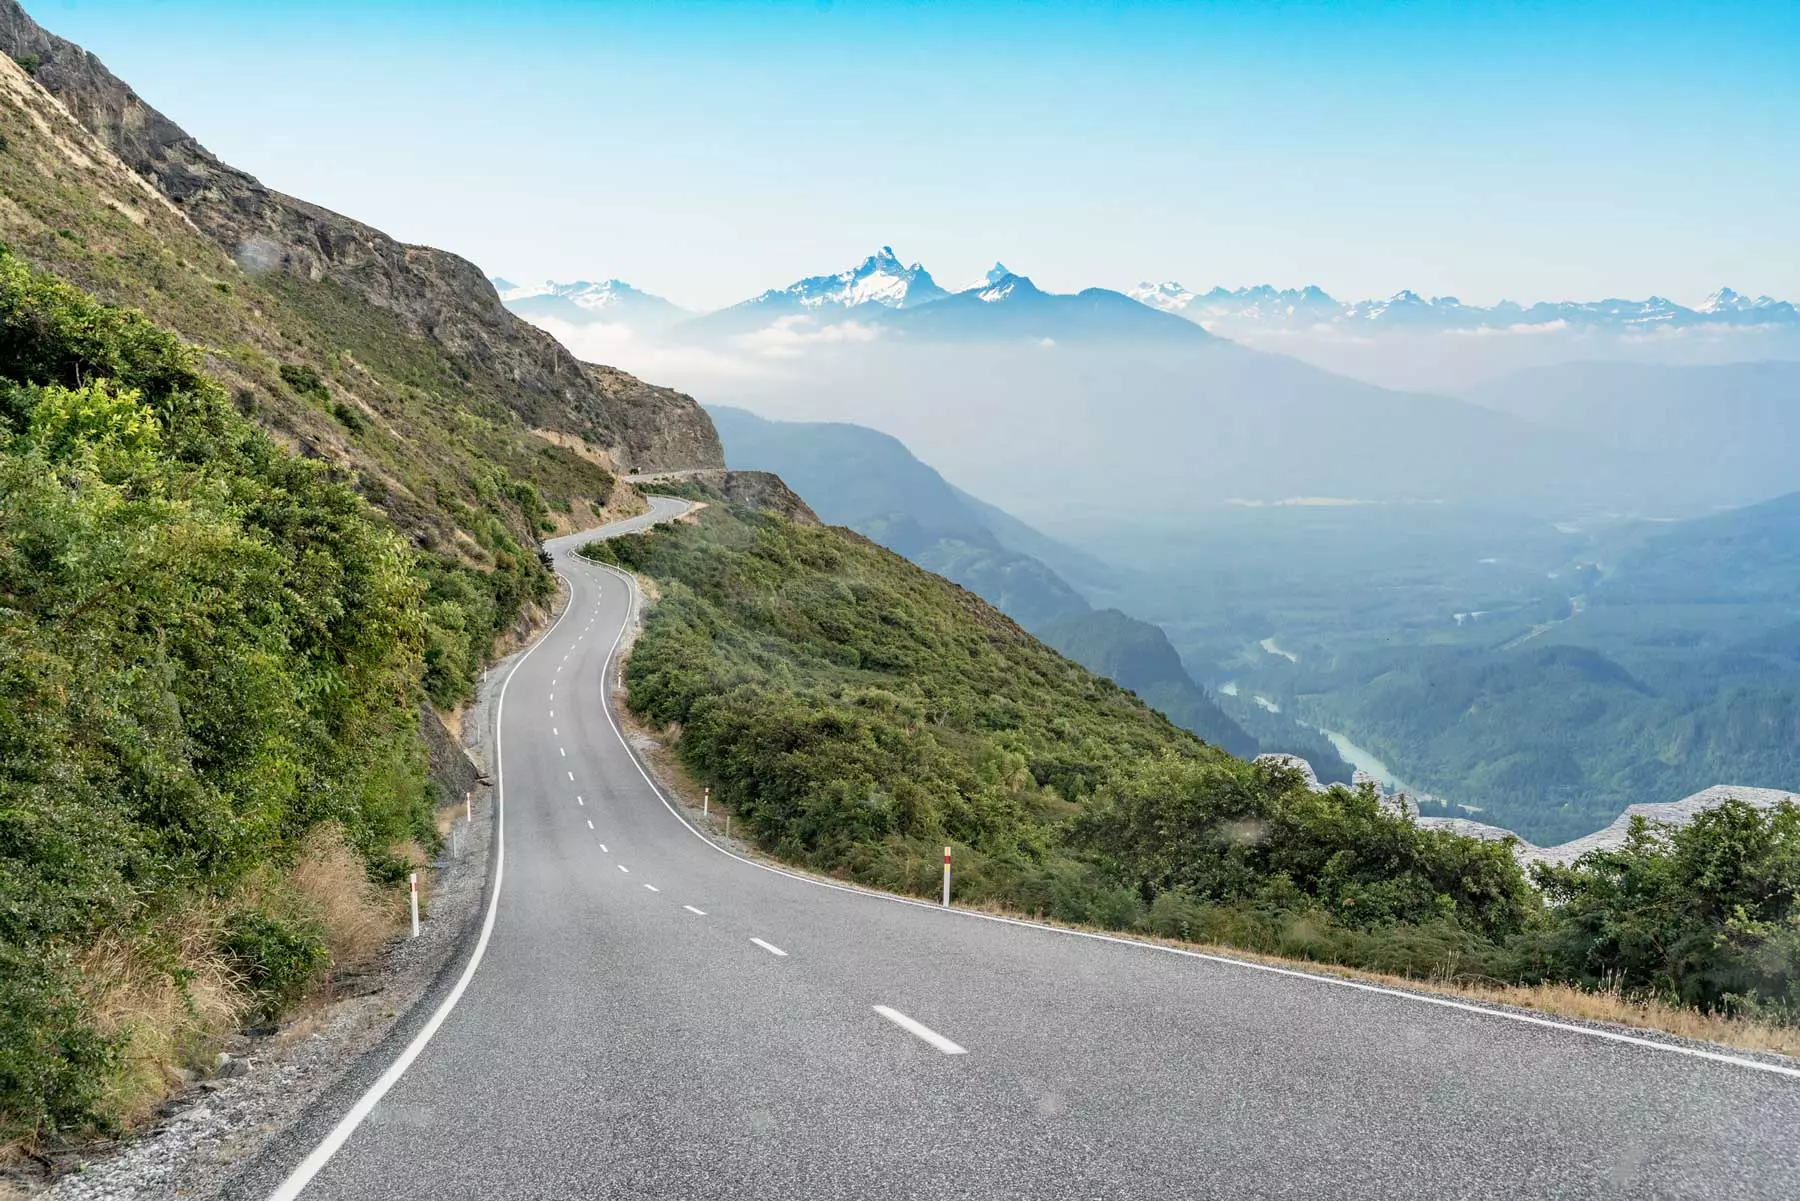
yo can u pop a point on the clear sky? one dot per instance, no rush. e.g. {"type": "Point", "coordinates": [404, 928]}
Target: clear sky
{"type": "Point", "coordinates": [707, 151]}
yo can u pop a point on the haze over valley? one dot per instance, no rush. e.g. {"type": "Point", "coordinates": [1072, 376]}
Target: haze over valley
{"type": "Point", "coordinates": [1456, 582]}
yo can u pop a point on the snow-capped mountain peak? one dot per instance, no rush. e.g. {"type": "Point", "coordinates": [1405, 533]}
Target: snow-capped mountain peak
{"type": "Point", "coordinates": [588, 294]}
{"type": "Point", "coordinates": [994, 275]}
{"type": "Point", "coordinates": [879, 279]}
{"type": "Point", "coordinates": [1168, 296]}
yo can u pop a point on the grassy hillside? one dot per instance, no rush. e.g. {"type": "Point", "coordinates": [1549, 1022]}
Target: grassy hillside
{"type": "Point", "coordinates": [857, 712]}
{"type": "Point", "coordinates": [212, 654]}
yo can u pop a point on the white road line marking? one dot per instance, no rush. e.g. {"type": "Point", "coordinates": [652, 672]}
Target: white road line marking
{"type": "Point", "coordinates": [320, 1155]}
{"type": "Point", "coordinates": [553, 729]}
{"type": "Point", "coordinates": [571, 775]}
{"type": "Point", "coordinates": [603, 847]}
{"type": "Point", "coordinates": [770, 947]}
{"type": "Point", "coordinates": [691, 909]}
{"type": "Point", "coordinates": [579, 801]}
{"type": "Point", "coordinates": [1421, 998]}
{"type": "Point", "coordinates": [652, 888]}
{"type": "Point", "coordinates": [563, 751]}
{"type": "Point", "coordinates": [921, 1030]}
{"type": "Point", "coordinates": [590, 823]}
{"type": "Point", "coordinates": [553, 714]}
{"type": "Point", "coordinates": [624, 869]}
{"type": "Point", "coordinates": [559, 669]}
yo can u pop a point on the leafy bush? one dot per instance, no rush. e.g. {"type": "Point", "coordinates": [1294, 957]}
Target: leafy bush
{"type": "Point", "coordinates": [279, 959]}
{"type": "Point", "coordinates": [305, 381]}
{"type": "Point", "coordinates": [348, 417]}
{"type": "Point", "coordinates": [1704, 914]}
{"type": "Point", "coordinates": [1230, 833]}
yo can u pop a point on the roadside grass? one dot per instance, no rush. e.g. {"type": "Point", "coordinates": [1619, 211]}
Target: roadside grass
{"type": "Point", "coordinates": [170, 995]}
{"type": "Point", "coordinates": [167, 998]}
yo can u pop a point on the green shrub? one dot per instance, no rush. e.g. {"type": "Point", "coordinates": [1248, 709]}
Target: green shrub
{"type": "Point", "coordinates": [53, 1066]}
{"type": "Point", "coordinates": [305, 381]}
{"type": "Point", "coordinates": [1703, 915]}
{"type": "Point", "coordinates": [1229, 833]}
{"type": "Point", "coordinates": [348, 417]}
{"type": "Point", "coordinates": [279, 959]}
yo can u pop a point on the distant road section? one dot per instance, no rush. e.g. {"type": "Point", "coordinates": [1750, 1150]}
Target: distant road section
{"type": "Point", "coordinates": [654, 1017]}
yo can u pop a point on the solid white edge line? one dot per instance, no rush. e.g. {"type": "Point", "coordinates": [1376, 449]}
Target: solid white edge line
{"type": "Point", "coordinates": [921, 1031]}
{"type": "Point", "coordinates": [320, 1155]}
{"type": "Point", "coordinates": [770, 947]}
{"type": "Point", "coordinates": [1527, 1019]}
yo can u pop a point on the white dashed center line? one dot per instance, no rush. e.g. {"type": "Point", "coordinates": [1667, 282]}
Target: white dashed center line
{"type": "Point", "coordinates": [770, 947]}
{"type": "Point", "coordinates": [563, 752]}
{"type": "Point", "coordinates": [590, 823]}
{"type": "Point", "coordinates": [603, 847]}
{"type": "Point", "coordinates": [920, 1030]}
{"type": "Point", "coordinates": [652, 888]}
{"type": "Point", "coordinates": [624, 869]}
{"type": "Point", "coordinates": [553, 729]}
{"type": "Point", "coordinates": [571, 775]}
{"type": "Point", "coordinates": [696, 912]}
{"type": "Point", "coordinates": [579, 801]}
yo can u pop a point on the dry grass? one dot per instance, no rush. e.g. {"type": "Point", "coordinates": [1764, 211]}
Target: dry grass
{"type": "Point", "coordinates": [174, 997]}
{"type": "Point", "coordinates": [331, 886]}
{"type": "Point", "coordinates": [168, 1020]}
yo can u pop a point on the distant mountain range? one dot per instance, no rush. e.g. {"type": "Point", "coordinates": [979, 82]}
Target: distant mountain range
{"type": "Point", "coordinates": [1266, 307]}
{"type": "Point", "coordinates": [611, 301]}
{"type": "Point", "coordinates": [884, 291]}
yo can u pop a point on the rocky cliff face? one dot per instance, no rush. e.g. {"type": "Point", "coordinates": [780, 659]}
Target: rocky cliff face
{"type": "Point", "coordinates": [432, 293]}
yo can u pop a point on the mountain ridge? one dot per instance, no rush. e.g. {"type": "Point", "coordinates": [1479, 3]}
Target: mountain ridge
{"type": "Point", "coordinates": [432, 293]}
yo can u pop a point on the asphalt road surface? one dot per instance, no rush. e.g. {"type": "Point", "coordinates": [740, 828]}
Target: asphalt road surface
{"type": "Point", "coordinates": [651, 1017]}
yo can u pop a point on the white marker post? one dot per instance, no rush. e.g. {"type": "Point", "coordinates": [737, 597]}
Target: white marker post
{"type": "Point", "coordinates": [946, 877]}
{"type": "Point", "coordinates": [413, 884]}
{"type": "Point", "coordinates": [468, 807]}
{"type": "Point", "coordinates": [706, 803]}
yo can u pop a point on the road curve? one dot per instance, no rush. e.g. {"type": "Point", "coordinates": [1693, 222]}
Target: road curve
{"type": "Point", "coordinates": [653, 1018]}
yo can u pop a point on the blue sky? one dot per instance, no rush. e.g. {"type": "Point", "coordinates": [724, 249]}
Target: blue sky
{"type": "Point", "coordinates": [706, 151]}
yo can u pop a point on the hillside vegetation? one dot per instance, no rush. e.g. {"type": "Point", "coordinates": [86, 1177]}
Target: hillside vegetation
{"type": "Point", "coordinates": [857, 712]}
{"type": "Point", "coordinates": [210, 652]}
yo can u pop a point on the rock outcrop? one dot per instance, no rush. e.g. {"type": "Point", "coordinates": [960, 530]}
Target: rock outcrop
{"type": "Point", "coordinates": [433, 293]}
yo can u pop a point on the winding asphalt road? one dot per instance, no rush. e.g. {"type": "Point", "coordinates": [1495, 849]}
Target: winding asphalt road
{"type": "Point", "coordinates": [651, 1017]}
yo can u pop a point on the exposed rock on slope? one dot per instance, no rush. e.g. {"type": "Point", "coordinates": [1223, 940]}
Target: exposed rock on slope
{"type": "Point", "coordinates": [432, 293]}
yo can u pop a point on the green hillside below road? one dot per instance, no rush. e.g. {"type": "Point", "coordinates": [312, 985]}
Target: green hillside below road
{"type": "Point", "coordinates": [856, 713]}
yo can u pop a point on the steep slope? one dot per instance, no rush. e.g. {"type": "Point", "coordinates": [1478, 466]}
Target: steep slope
{"type": "Point", "coordinates": [864, 479]}
{"type": "Point", "coordinates": [290, 245]}
{"type": "Point", "coordinates": [1137, 655]}
{"type": "Point", "coordinates": [870, 482]}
